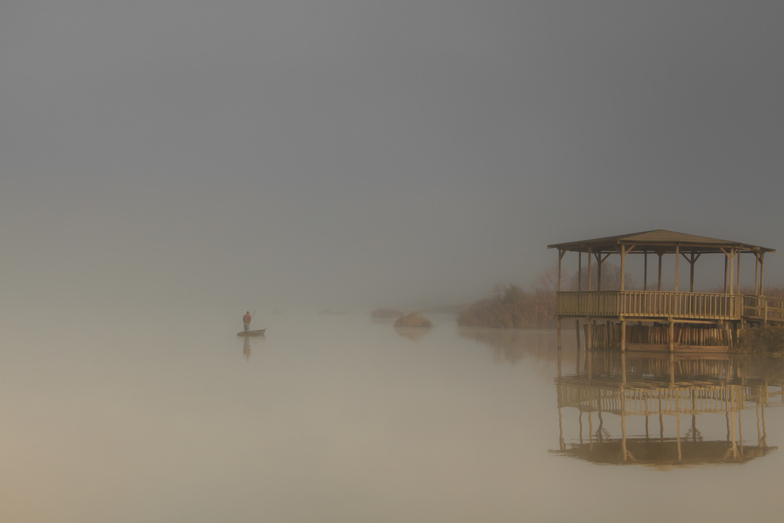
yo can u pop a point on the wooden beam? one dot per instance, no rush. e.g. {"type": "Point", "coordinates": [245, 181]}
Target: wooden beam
{"type": "Point", "coordinates": [580, 271]}
{"type": "Point", "coordinates": [738, 278]}
{"type": "Point", "coordinates": [762, 273]}
{"type": "Point", "coordinates": [660, 267]}
{"type": "Point", "coordinates": [645, 271]}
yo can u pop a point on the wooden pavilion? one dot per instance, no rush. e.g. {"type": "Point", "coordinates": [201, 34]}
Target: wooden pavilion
{"type": "Point", "coordinates": [676, 320]}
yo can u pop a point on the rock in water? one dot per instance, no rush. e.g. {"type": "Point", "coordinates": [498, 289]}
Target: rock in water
{"type": "Point", "coordinates": [413, 320]}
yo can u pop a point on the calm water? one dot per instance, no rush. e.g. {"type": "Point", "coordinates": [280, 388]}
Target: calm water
{"type": "Point", "coordinates": [335, 418]}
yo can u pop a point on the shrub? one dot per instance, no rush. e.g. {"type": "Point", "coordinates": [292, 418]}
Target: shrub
{"type": "Point", "coordinates": [511, 307]}
{"type": "Point", "coordinates": [768, 338]}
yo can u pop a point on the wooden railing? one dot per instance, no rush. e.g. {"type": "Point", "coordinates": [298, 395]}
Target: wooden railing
{"type": "Point", "coordinates": [651, 304]}
{"type": "Point", "coordinates": [619, 399]}
{"type": "Point", "coordinates": [763, 308]}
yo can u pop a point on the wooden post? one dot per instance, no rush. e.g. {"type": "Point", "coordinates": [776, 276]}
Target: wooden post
{"type": "Point", "coordinates": [727, 334]}
{"type": "Point", "coordinates": [672, 335]}
{"type": "Point", "coordinates": [738, 278]}
{"type": "Point", "coordinates": [558, 321]}
{"type": "Point", "coordinates": [577, 328]}
{"type": "Point", "coordinates": [762, 273]}
{"type": "Point", "coordinates": [725, 272]}
{"type": "Point", "coordinates": [580, 271]}
{"type": "Point", "coordinates": [645, 271]}
{"type": "Point", "coordinates": [756, 274]}
{"type": "Point", "coordinates": [732, 270]}
{"type": "Point", "coordinates": [598, 270]}
{"type": "Point", "coordinates": [691, 272]}
{"type": "Point", "coordinates": [623, 368]}
{"type": "Point", "coordinates": [623, 337]}
{"type": "Point", "coordinates": [677, 260]}
{"type": "Point", "coordinates": [623, 265]}
{"type": "Point", "coordinates": [589, 357]}
{"type": "Point", "coordinates": [660, 257]}
{"type": "Point", "coordinates": [561, 253]}
{"type": "Point", "coordinates": [589, 337]}
{"type": "Point", "coordinates": [589, 268]}
{"type": "Point", "coordinates": [678, 430]}
{"type": "Point", "coordinates": [625, 455]}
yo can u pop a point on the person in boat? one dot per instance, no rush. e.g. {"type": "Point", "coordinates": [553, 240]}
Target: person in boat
{"type": "Point", "coordinates": [246, 321]}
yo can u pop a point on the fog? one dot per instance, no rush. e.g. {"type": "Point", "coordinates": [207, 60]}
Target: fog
{"type": "Point", "coordinates": [353, 154]}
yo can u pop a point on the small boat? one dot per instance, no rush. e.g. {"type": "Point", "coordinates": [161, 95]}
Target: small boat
{"type": "Point", "coordinates": [259, 332]}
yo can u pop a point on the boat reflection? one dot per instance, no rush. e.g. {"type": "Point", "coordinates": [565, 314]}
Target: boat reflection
{"type": "Point", "coordinates": [674, 390]}
{"type": "Point", "coordinates": [246, 348]}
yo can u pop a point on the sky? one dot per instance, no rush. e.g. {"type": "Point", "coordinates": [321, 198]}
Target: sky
{"type": "Point", "coordinates": [359, 153]}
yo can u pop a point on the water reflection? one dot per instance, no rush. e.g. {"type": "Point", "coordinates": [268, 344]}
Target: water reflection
{"type": "Point", "coordinates": [413, 333]}
{"type": "Point", "coordinates": [668, 393]}
{"type": "Point", "coordinates": [246, 348]}
{"type": "Point", "coordinates": [512, 345]}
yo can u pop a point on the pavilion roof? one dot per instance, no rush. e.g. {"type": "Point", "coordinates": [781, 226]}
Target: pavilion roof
{"type": "Point", "coordinates": [658, 240]}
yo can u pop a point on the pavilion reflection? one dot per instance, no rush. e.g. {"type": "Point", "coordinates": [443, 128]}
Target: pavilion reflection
{"type": "Point", "coordinates": [673, 390]}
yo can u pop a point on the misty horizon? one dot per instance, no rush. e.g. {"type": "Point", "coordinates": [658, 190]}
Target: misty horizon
{"type": "Point", "coordinates": [348, 155]}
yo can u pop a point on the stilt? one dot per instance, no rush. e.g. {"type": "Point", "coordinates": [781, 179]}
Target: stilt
{"type": "Point", "coordinates": [589, 340]}
{"type": "Point", "coordinates": [672, 336]}
{"type": "Point", "coordinates": [623, 336]}
{"type": "Point", "coordinates": [623, 369]}
{"type": "Point", "coordinates": [727, 335]}
{"type": "Point", "coordinates": [559, 332]}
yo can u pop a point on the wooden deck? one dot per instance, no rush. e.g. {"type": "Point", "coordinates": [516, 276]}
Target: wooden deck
{"type": "Point", "coordinates": [665, 305]}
